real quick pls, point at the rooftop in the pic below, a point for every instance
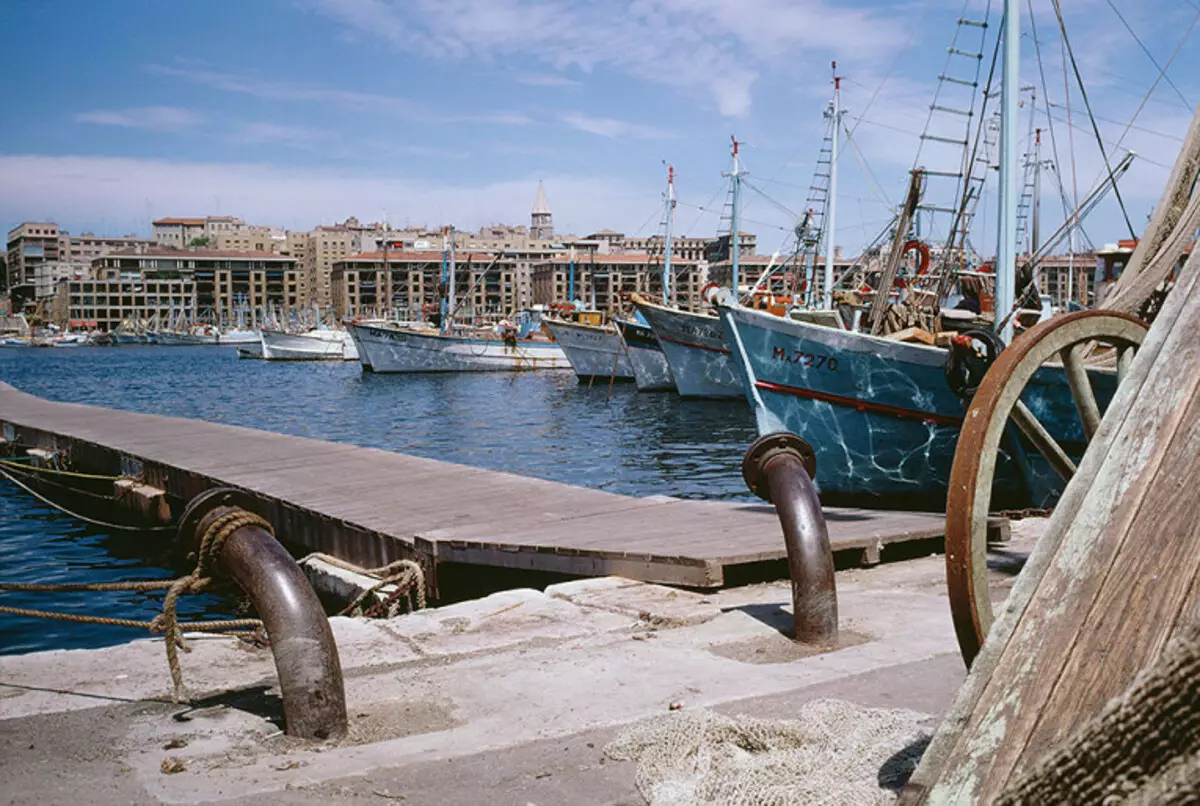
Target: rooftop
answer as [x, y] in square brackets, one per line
[415, 256]
[190, 222]
[201, 254]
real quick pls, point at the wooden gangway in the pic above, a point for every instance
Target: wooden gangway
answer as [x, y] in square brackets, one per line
[371, 507]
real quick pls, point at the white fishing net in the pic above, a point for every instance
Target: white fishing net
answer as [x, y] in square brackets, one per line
[833, 752]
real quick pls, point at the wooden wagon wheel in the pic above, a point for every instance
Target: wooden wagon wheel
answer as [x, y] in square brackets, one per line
[1063, 338]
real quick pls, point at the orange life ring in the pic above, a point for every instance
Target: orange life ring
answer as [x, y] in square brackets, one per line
[922, 251]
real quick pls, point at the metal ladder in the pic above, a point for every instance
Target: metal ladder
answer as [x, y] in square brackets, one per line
[951, 176]
[810, 231]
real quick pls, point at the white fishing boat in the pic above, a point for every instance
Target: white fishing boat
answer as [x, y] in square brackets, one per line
[650, 368]
[392, 348]
[238, 335]
[692, 343]
[15, 341]
[319, 344]
[594, 351]
[188, 338]
[250, 351]
[400, 347]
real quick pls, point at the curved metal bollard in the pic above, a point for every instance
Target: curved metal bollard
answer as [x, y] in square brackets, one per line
[306, 657]
[778, 468]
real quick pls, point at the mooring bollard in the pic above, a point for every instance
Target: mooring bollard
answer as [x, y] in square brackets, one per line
[306, 657]
[778, 468]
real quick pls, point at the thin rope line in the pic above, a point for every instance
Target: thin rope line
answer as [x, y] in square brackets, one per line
[1062, 27]
[93, 521]
[1162, 69]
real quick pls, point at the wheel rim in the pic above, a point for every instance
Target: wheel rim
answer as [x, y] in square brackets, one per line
[994, 404]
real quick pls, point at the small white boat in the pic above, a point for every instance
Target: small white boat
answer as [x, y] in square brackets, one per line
[594, 352]
[239, 335]
[15, 341]
[391, 348]
[70, 340]
[188, 338]
[322, 344]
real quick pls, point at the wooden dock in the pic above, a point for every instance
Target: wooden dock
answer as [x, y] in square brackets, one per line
[370, 507]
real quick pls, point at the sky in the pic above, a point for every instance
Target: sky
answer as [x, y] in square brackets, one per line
[428, 112]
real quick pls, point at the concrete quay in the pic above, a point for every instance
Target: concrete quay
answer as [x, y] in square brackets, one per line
[507, 699]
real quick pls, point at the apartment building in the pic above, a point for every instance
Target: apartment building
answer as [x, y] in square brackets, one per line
[87, 247]
[604, 281]
[327, 245]
[251, 239]
[410, 286]
[783, 279]
[30, 245]
[180, 232]
[104, 303]
[226, 284]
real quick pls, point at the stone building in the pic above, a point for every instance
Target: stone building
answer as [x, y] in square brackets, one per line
[541, 222]
[228, 286]
[604, 281]
[410, 288]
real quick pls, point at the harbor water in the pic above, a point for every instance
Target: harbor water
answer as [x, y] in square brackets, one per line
[542, 424]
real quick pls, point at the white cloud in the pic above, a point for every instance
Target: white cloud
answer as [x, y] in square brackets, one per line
[712, 48]
[302, 92]
[154, 118]
[263, 132]
[546, 80]
[615, 129]
[83, 192]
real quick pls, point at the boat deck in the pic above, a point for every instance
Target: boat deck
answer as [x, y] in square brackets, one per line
[370, 506]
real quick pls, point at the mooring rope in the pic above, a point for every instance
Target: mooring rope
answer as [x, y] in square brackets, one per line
[167, 622]
[406, 575]
[84, 518]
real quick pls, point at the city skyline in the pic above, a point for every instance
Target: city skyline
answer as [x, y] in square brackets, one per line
[297, 114]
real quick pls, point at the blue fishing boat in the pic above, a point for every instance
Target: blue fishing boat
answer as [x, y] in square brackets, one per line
[650, 368]
[881, 414]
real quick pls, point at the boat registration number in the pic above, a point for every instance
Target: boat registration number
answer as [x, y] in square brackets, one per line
[397, 336]
[814, 360]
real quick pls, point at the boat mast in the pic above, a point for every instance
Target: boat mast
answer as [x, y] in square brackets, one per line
[831, 228]
[670, 215]
[445, 276]
[736, 179]
[1006, 237]
[571, 278]
[1035, 224]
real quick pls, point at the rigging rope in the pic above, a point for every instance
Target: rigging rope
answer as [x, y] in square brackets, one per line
[1062, 27]
[1162, 70]
[102, 524]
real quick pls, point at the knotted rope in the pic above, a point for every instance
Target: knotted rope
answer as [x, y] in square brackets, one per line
[167, 622]
[200, 580]
[406, 575]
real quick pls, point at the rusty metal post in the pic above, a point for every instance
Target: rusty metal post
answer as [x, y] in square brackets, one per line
[306, 657]
[778, 468]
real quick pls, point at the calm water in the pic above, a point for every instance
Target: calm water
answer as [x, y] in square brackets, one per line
[540, 424]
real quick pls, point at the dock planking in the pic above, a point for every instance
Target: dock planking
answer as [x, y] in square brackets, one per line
[371, 507]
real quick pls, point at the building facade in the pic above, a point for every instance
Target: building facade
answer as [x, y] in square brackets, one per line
[228, 286]
[105, 303]
[30, 245]
[180, 232]
[410, 287]
[604, 282]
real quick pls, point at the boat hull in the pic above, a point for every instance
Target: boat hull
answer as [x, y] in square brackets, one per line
[168, 338]
[694, 347]
[594, 352]
[386, 349]
[321, 346]
[650, 368]
[881, 417]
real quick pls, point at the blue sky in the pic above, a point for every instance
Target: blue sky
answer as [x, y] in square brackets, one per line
[301, 112]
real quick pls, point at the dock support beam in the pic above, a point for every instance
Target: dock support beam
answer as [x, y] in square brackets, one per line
[778, 468]
[306, 657]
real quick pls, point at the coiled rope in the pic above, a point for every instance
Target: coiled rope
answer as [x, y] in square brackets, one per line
[406, 575]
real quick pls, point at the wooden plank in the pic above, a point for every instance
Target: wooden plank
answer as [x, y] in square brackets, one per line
[984, 738]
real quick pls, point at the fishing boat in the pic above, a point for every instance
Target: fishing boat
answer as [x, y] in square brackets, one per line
[394, 348]
[15, 341]
[508, 347]
[594, 351]
[692, 343]
[883, 415]
[318, 344]
[193, 337]
[238, 335]
[646, 359]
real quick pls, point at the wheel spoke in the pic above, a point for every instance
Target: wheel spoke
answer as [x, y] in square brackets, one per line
[1081, 389]
[1041, 439]
[1124, 361]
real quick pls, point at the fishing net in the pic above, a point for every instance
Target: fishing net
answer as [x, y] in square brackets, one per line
[833, 752]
